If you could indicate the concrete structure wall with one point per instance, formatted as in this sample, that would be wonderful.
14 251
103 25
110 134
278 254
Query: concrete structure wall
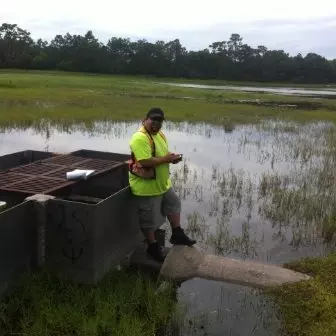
86 228
17 244
85 240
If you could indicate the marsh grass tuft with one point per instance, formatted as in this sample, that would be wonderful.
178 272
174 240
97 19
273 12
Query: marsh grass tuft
124 303
309 307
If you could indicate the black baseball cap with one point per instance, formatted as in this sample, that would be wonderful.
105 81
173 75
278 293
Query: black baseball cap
155 113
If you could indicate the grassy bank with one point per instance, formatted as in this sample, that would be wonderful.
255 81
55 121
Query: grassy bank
71 98
123 304
309 308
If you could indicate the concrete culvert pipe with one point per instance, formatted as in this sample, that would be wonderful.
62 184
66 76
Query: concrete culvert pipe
183 263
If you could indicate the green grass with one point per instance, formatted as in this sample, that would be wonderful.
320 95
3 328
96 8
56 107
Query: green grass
70 98
309 308
176 80
123 304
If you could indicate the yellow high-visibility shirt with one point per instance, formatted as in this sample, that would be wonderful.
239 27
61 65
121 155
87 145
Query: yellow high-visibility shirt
142 149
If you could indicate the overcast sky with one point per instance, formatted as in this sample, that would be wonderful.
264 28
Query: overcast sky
292 25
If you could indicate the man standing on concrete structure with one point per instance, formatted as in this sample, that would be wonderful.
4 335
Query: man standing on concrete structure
151 185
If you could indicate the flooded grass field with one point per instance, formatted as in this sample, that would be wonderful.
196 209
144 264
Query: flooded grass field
252 187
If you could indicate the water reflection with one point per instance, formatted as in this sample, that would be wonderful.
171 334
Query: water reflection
277 90
264 192
231 310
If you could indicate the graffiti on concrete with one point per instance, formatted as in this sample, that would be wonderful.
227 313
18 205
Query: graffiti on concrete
73 236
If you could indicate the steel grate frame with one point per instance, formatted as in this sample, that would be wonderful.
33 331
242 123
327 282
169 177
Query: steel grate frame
10 178
98 164
36 185
60 173
66 160
35 169
49 175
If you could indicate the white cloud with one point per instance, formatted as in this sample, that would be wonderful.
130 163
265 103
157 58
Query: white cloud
284 23
294 36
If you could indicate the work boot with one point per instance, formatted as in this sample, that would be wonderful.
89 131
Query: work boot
180 238
156 252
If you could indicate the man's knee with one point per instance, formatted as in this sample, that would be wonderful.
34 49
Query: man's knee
148 209
171 203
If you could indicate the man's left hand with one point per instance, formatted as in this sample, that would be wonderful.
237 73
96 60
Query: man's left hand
179 158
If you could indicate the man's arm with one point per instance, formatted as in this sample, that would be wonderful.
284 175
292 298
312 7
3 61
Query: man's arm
154 161
142 150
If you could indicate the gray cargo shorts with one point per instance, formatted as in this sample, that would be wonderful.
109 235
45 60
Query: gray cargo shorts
152 210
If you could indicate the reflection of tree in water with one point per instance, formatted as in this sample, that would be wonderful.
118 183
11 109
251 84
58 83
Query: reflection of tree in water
47 137
229 128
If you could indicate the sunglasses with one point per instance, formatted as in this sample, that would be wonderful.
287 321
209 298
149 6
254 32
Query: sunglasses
159 119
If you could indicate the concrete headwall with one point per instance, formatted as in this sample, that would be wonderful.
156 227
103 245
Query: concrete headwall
72 237
17 244
85 240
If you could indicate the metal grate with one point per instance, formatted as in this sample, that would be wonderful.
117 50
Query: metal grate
66 160
34 169
60 173
97 164
49 174
36 184
10 178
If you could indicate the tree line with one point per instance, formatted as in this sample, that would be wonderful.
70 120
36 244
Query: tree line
228 60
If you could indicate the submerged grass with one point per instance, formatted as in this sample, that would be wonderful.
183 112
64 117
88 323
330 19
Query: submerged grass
294 205
309 308
124 303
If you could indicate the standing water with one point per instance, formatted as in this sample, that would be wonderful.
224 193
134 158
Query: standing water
330 92
261 192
